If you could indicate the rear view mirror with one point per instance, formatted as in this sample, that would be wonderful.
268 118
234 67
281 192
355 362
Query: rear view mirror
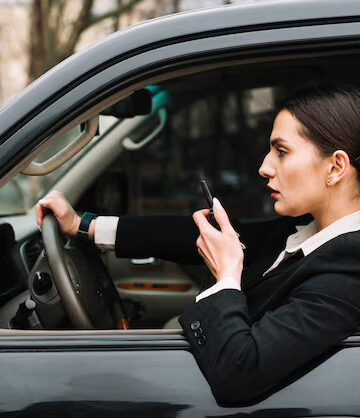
139 103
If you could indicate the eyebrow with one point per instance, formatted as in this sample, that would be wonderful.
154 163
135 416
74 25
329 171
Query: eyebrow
275 141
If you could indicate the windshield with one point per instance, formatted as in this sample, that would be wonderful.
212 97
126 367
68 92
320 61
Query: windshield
22 191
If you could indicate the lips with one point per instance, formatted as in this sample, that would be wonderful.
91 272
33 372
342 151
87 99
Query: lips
272 189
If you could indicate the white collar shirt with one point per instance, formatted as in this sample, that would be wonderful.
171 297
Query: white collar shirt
308 237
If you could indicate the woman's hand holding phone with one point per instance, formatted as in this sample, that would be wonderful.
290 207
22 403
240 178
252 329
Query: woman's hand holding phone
221 249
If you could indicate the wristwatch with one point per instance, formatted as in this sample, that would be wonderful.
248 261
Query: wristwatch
85 224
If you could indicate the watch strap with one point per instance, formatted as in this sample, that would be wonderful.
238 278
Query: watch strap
85 223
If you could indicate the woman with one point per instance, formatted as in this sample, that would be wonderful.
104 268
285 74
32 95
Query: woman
296 293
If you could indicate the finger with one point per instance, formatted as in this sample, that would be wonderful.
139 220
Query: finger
221 216
201 220
54 203
204 211
39 214
39 209
56 194
45 203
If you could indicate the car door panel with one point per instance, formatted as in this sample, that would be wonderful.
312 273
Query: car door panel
149 375
159 289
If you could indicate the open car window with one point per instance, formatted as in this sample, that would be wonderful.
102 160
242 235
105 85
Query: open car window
221 133
218 126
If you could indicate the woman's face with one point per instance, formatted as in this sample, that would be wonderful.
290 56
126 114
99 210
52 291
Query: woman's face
294 169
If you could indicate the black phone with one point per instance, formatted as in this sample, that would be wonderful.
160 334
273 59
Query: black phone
209 199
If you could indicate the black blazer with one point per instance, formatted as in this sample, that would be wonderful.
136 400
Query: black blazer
246 342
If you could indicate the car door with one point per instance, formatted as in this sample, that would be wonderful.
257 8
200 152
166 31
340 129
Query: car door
153 373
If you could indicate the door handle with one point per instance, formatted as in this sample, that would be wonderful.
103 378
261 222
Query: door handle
38 169
130 145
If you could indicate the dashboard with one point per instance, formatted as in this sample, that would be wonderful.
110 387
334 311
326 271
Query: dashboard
12 265
20 246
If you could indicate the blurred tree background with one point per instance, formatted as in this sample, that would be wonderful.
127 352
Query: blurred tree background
35 35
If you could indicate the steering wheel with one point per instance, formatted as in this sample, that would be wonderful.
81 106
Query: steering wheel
87 292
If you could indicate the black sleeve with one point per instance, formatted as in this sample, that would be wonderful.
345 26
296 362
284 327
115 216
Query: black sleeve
241 360
174 238
171 238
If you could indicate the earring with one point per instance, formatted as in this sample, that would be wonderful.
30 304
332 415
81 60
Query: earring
328 182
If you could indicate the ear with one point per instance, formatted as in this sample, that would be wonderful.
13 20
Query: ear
339 166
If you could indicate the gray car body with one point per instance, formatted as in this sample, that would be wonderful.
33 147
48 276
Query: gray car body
155 374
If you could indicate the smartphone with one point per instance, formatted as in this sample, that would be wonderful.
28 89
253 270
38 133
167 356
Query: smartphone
209 199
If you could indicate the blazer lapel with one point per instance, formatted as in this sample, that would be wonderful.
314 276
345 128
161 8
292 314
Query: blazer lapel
253 275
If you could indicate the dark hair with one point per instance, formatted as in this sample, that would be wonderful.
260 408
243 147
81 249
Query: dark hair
330 119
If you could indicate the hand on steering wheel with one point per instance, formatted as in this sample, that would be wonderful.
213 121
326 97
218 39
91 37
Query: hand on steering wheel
95 291
66 216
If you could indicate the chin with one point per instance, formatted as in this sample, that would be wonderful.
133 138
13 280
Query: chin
293 212
280 212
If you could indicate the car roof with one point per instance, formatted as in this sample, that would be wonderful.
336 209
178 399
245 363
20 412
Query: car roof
249 15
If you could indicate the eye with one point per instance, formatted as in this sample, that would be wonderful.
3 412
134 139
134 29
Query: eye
281 153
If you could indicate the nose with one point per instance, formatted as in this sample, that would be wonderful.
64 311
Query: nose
266 169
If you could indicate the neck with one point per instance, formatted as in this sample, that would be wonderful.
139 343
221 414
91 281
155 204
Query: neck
335 210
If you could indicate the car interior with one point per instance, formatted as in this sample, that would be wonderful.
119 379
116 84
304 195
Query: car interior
145 155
